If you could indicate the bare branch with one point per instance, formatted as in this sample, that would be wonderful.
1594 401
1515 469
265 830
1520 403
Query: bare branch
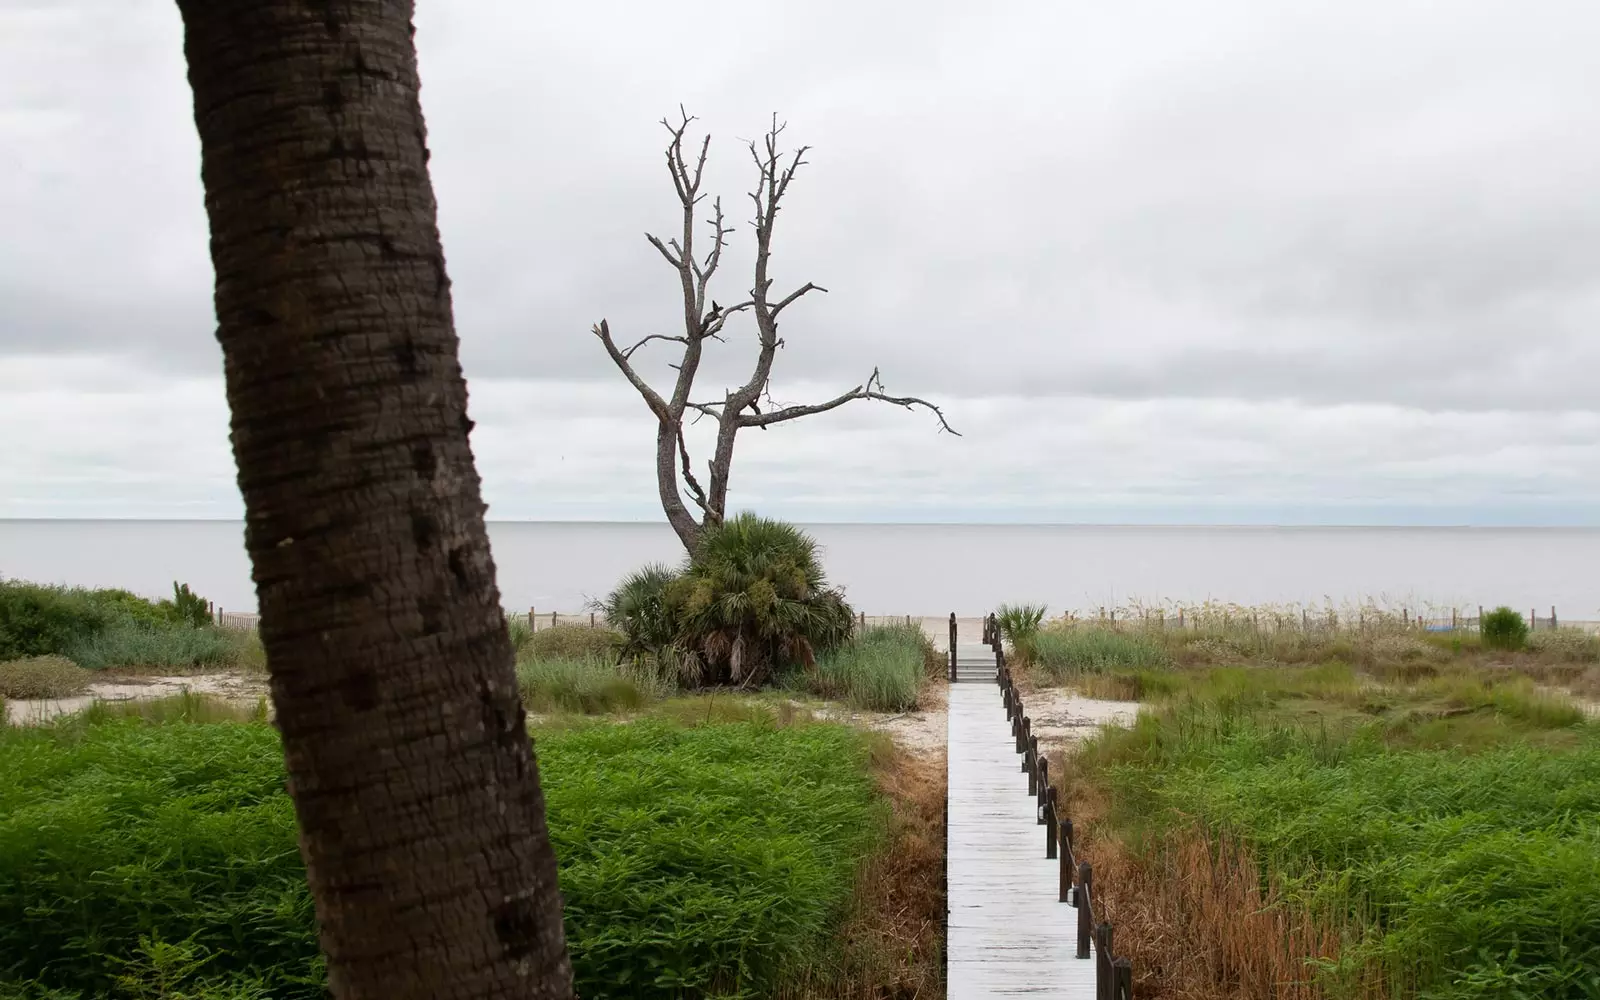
706 409
628 354
871 389
657 405
655 242
807 287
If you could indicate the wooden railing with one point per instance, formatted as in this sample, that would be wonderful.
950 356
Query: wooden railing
1113 976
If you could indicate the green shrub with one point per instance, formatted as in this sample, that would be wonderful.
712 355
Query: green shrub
42 677
881 670
713 860
1503 629
1018 624
639 608
186 607
588 685
753 599
131 644
1080 649
36 620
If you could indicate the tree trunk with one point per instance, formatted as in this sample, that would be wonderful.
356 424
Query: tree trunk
421 816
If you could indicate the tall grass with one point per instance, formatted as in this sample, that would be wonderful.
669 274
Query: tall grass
1062 653
1459 874
879 670
717 859
588 685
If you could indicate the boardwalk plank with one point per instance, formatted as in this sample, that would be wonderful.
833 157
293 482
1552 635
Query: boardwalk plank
1008 934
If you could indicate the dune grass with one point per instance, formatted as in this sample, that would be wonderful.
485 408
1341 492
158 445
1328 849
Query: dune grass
1062 653
152 852
588 685
881 669
1439 831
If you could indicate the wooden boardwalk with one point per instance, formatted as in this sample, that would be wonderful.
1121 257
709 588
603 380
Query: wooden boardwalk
1008 933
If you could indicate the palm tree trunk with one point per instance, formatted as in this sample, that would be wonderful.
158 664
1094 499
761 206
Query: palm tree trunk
422 821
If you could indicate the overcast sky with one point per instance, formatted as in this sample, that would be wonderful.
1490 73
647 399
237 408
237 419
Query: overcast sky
1237 261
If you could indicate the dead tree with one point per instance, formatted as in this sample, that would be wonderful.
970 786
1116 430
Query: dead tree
704 320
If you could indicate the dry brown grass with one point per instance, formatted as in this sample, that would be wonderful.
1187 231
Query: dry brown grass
1198 922
892 944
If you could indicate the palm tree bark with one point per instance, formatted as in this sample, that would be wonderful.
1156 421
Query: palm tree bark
421 816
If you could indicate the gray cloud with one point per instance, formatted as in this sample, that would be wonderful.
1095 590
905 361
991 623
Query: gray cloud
1383 210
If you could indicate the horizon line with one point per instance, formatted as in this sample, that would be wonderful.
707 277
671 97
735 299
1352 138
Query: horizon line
1447 526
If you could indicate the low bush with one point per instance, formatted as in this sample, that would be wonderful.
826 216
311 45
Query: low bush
880 670
42 677
568 642
36 620
1078 649
1564 645
136 646
1503 629
710 860
109 628
587 685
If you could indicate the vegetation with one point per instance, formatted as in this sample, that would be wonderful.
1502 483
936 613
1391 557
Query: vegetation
572 642
42 677
1019 624
111 628
1372 811
750 603
1063 653
588 685
640 609
1504 629
882 669
153 853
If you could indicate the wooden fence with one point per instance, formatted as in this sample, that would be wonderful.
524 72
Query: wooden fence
1113 976
1312 621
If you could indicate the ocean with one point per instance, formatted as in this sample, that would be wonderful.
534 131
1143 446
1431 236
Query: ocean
922 569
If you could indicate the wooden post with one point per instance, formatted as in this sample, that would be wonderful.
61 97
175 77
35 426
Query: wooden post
1453 620
1022 731
1553 616
532 625
1066 860
952 646
1533 620
1032 769
1085 904
1122 980
1050 823
1042 765
1102 960
1305 620
552 619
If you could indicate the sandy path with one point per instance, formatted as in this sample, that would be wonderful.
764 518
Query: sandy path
232 686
